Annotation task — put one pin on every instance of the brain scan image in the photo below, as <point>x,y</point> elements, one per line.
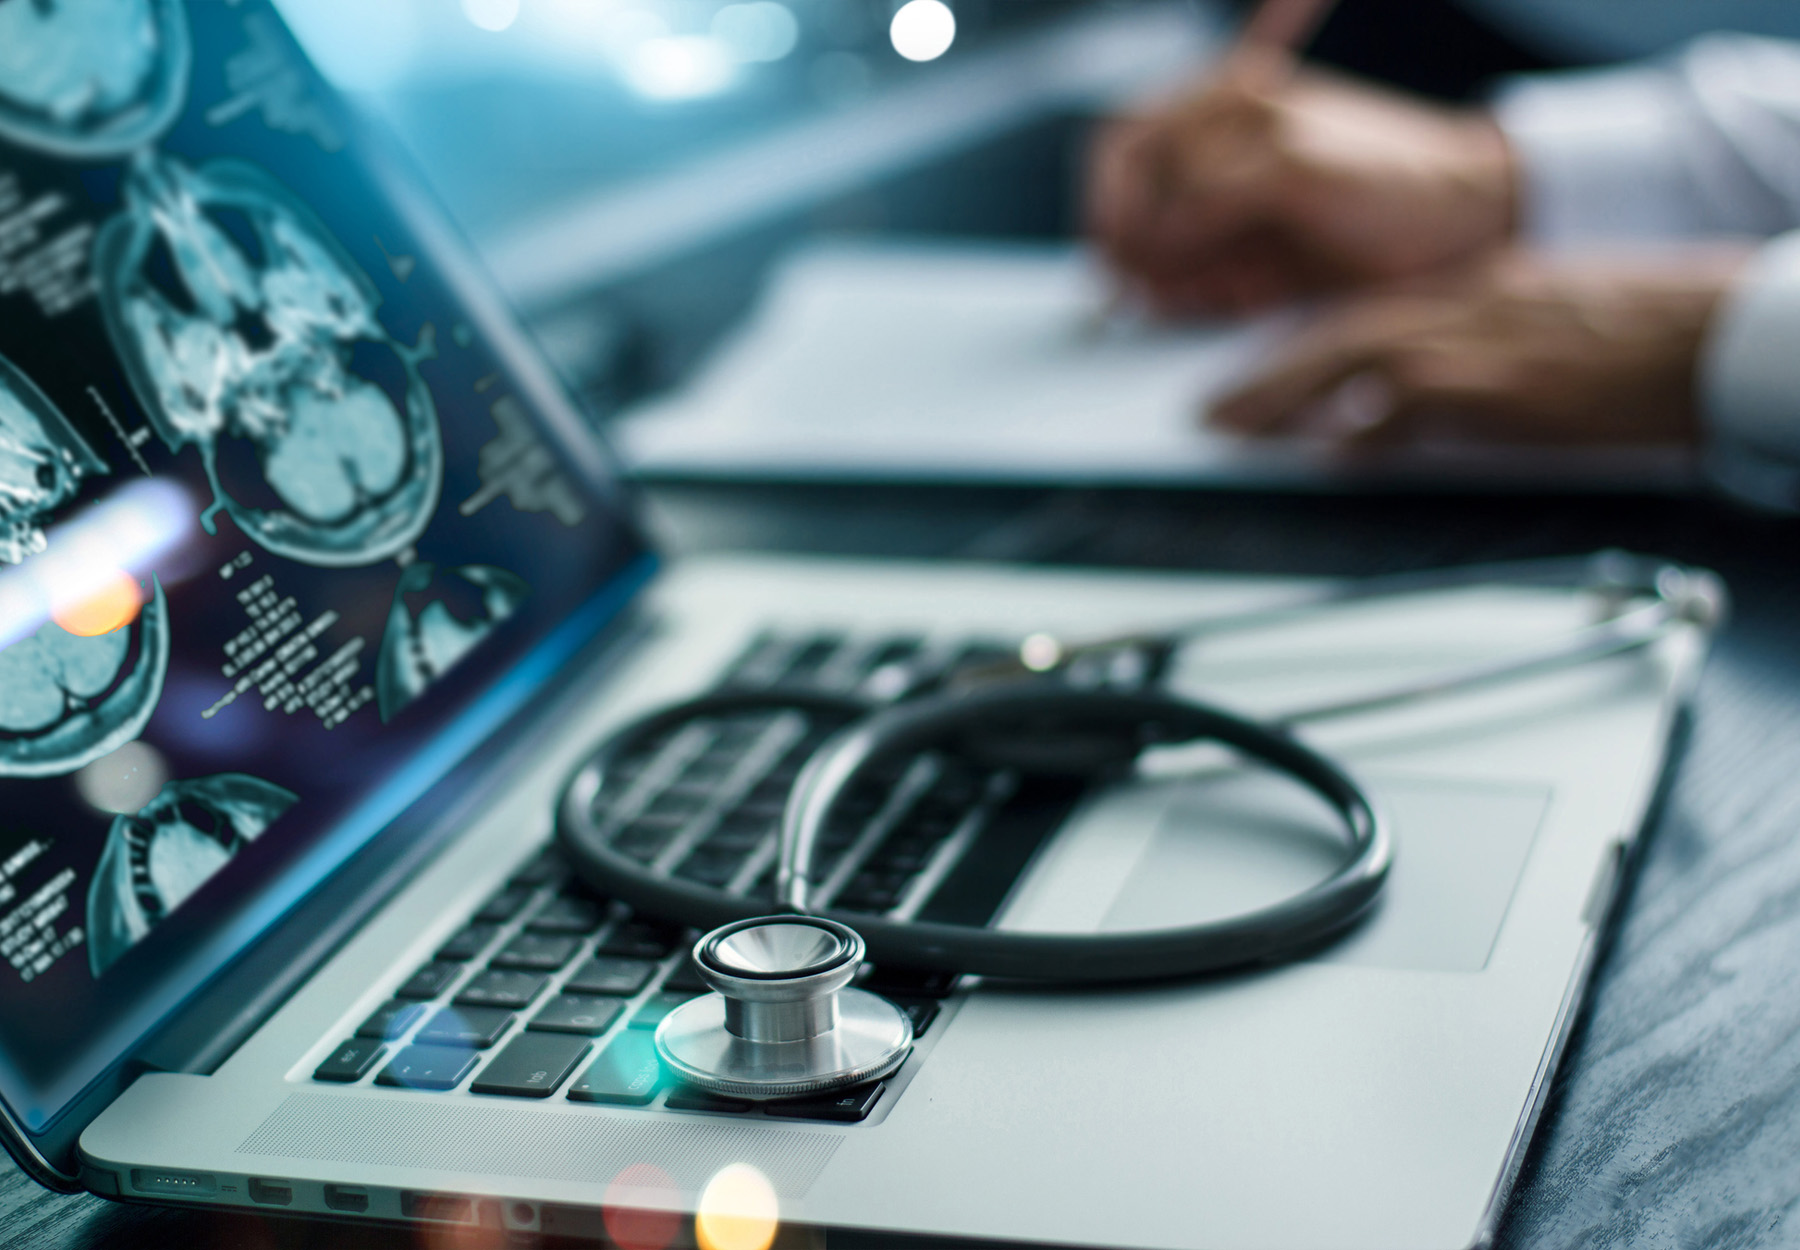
<point>42,463</point>
<point>68,699</point>
<point>250,334</point>
<point>154,859</point>
<point>91,78</point>
<point>438,617</point>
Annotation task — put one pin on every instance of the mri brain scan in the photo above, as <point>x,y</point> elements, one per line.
<point>153,860</point>
<point>90,78</point>
<point>66,698</point>
<point>250,334</point>
<point>42,463</point>
<point>439,616</point>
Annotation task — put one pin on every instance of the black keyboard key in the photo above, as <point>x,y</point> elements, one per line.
<point>695,1100</point>
<point>770,794</point>
<point>742,832</point>
<point>544,868</point>
<point>531,1066</point>
<point>430,981</point>
<point>921,1011</point>
<point>627,1072</point>
<point>390,1020</point>
<point>540,952</point>
<point>814,655</point>
<point>504,905</point>
<point>569,914</point>
<point>428,1067</point>
<point>849,1107</point>
<point>472,1027</point>
<point>984,655</point>
<point>710,867</point>
<point>907,983</point>
<point>686,978</point>
<point>893,651</point>
<point>640,940</point>
<point>469,943</point>
<point>709,770</point>
<point>676,805</point>
<point>867,892</point>
<point>656,1007</point>
<point>927,825</point>
<point>605,975</point>
<point>501,988</point>
<point>576,1013</point>
<point>350,1061</point>
<point>759,665</point>
<point>644,840</point>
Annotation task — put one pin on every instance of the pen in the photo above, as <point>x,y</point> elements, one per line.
<point>1271,37</point>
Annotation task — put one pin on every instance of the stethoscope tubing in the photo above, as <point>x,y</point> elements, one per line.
<point>955,719</point>
<point>1266,934</point>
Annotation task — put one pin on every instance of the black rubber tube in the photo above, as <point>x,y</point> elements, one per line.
<point>1012,725</point>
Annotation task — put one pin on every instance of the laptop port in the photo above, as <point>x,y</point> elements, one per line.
<point>345,1198</point>
<point>444,1208</point>
<point>269,1193</point>
<point>147,1181</point>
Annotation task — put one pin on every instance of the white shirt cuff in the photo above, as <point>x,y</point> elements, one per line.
<point>1600,155</point>
<point>1750,380</point>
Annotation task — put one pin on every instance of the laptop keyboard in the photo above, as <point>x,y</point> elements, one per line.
<point>550,988</point>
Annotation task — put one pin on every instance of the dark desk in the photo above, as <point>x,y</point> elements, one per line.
<point>1676,1118</point>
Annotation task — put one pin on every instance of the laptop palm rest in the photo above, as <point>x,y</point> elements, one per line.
<point>1175,853</point>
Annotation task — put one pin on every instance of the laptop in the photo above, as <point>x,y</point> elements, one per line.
<point>314,589</point>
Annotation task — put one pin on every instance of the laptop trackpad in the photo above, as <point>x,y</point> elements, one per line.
<point>1172,853</point>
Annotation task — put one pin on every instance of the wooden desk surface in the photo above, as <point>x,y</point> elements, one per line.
<point>1675,1120</point>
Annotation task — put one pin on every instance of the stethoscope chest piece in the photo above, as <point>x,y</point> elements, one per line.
<point>782,1022</point>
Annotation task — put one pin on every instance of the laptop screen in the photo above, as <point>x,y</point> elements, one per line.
<point>282,532</point>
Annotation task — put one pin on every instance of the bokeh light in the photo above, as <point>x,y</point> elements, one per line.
<point>642,1208</point>
<point>494,15</point>
<point>90,578</point>
<point>738,1210</point>
<point>112,604</point>
<point>761,31</point>
<point>124,781</point>
<point>923,30</point>
<point>679,67</point>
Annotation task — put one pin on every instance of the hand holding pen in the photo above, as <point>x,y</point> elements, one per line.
<point>1270,182</point>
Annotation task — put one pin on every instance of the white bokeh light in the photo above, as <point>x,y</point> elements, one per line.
<point>738,1210</point>
<point>759,31</point>
<point>923,30</point>
<point>495,15</point>
<point>124,781</point>
<point>679,67</point>
<point>624,31</point>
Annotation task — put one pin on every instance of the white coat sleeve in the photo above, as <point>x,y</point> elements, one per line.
<point>1703,145</point>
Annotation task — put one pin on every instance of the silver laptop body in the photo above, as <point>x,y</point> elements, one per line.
<point>1378,1093</point>
<point>334,799</point>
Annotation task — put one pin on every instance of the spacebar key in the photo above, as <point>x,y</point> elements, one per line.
<point>532,1065</point>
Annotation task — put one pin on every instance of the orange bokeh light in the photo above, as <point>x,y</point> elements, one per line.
<point>738,1210</point>
<point>112,605</point>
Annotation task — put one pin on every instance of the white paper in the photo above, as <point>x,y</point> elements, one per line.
<point>969,361</point>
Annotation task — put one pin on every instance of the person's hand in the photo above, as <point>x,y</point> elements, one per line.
<point>1519,349</point>
<point>1274,182</point>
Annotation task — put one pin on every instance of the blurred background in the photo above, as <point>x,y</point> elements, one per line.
<point>632,168</point>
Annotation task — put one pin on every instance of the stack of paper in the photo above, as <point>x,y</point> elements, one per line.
<point>933,361</point>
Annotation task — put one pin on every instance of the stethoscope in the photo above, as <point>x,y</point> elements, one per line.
<point>783,1021</point>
